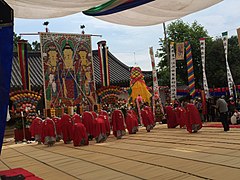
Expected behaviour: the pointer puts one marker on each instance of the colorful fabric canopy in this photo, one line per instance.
(157, 11)
(126, 12)
(114, 6)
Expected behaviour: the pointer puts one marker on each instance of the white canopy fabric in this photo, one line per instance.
(41, 9)
(152, 13)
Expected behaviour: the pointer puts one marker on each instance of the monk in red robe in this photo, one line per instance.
(180, 116)
(193, 119)
(57, 122)
(76, 118)
(146, 120)
(132, 122)
(80, 136)
(48, 132)
(118, 124)
(171, 117)
(100, 129)
(88, 121)
(150, 114)
(106, 121)
(66, 126)
(36, 129)
(94, 114)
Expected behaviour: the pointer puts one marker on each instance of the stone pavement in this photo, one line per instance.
(161, 154)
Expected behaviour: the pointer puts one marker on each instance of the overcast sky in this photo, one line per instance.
(131, 44)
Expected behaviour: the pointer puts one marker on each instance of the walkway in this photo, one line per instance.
(161, 154)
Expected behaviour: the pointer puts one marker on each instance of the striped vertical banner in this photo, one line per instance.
(229, 74)
(23, 62)
(189, 59)
(205, 83)
(156, 93)
(173, 79)
(104, 65)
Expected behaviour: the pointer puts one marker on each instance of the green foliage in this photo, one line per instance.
(234, 58)
(35, 46)
(15, 40)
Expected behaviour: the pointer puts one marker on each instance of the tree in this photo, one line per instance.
(216, 64)
(36, 46)
(16, 38)
(179, 31)
(234, 58)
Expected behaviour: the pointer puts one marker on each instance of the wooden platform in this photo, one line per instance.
(161, 154)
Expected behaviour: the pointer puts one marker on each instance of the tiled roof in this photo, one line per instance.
(119, 72)
(35, 68)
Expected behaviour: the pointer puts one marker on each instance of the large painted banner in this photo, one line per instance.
(68, 69)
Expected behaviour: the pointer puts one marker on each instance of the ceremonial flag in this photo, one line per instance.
(156, 95)
(6, 56)
(104, 65)
(173, 80)
(189, 59)
(205, 83)
(180, 51)
(229, 74)
(23, 62)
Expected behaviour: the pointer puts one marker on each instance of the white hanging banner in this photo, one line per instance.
(205, 83)
(173, 81)
(156, 94)
(229, 74)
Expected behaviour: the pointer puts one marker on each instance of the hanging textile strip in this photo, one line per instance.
(189, 59)
(100, 55)
(156, 94)
(205, 83)
(23, 62)
(229, 74)
(114, 6)
(104, 65)
(173, 79)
